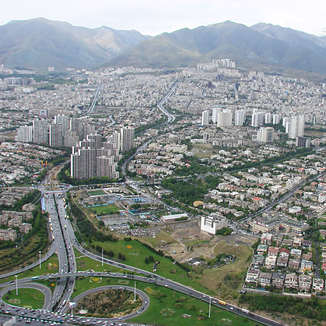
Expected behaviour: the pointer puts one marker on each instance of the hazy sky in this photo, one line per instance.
(157, 16)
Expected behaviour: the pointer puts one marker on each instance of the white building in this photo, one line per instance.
(205, 118)
(239, 117)
(257, 119)
(224, 118)
(265, 135)
(276, 119)
(296, 126)
(214, 114)
(268, 118)
(25, 134)
(211, 224)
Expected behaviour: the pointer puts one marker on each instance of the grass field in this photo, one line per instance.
(105, 210)
(49, 266)
(226, 280)
(29, 298)
(96, 193)
(85, 263)
(135, 253)
(168, 307)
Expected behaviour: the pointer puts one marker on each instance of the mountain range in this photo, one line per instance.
(39, 43)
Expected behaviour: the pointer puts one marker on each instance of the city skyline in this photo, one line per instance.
(300, 15)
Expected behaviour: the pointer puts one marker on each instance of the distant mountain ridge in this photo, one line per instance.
(260, 44)
(39, 43)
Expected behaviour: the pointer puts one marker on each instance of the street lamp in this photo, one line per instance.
(16, 285)
(40, 255)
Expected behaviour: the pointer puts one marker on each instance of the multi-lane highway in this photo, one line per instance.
(160, 104)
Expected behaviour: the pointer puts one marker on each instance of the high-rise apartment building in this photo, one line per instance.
(25, 134)
(257, 119)
(63, 131)
(276, 119)
(127, 139)
(268, 118)
(40, 132)
(224, 118)
(205, 118)
(214, 114)
(94, 158)
(239, 117)
(296, 126)
(265, 135)
(55, 135)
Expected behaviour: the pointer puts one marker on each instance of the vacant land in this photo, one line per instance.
(227, 280)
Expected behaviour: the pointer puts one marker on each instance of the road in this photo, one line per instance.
(95, 99)
(160, 104)
(284, 197)
(45, 257)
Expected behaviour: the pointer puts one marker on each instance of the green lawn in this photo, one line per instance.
(85, 263)
(83, 284)
(30, 298)
(135, 253)
(49, 266)
(105, 210)
(96, 193)
(168, 307)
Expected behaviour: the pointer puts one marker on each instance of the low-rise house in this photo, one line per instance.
(291, 281)
(266, 238)
(262, 249)
(307, 256)
(318, 284)
(258, 261)
(297, 242)
(252, 275)
(282, 261)
(273, 251)
(296, 253)
(25, 228)
(306, 266)
(304, 282)
(294, 264)
(8, 235)
(278, 280)
(270, 262)
(265, 279)
(287, 243)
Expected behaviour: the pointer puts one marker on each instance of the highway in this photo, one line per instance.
(161, 281)
(95, 99)
(160, 104)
